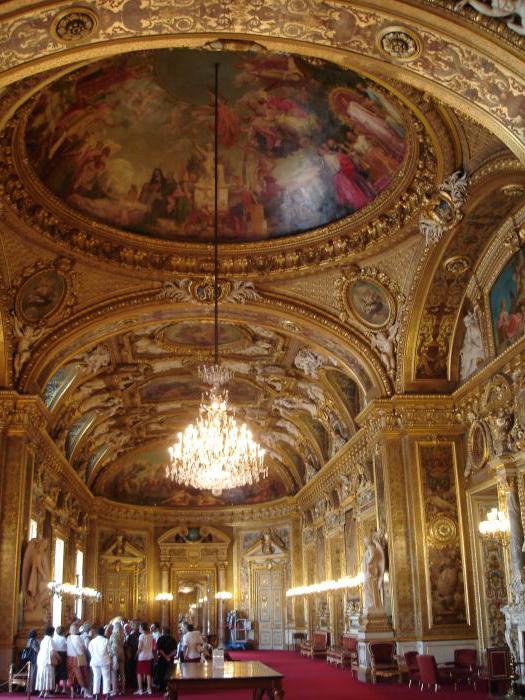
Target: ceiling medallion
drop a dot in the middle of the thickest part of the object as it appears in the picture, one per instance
(73, 25)
(442, 530)
(368, 296)
(399, 43)
(457, 265)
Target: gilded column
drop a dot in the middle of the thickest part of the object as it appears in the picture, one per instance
(20, 417)
(508, 501)
(397, 520)
(221, 581)
(296, 554)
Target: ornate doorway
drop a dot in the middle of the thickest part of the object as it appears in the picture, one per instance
(269, 586)
(267, 562)
(123, 573)
(193, 565)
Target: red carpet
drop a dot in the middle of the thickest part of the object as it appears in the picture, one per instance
(307, 679)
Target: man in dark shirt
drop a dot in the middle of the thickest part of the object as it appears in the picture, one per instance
(131, 646)
(166, 652)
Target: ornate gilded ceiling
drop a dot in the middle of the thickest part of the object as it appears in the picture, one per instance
(342, 133)
(118, 405)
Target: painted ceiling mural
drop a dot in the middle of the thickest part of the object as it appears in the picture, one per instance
(129, 141)
(115, 416)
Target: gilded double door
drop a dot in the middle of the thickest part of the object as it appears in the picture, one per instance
(269, 591)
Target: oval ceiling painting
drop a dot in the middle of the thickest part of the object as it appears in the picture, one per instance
(128, 141)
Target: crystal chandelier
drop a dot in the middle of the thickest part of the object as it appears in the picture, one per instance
(216, 453)
(495, 527)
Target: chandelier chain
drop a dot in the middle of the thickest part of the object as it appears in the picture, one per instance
(215, 452)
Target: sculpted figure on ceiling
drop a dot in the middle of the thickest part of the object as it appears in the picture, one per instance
(512, 11)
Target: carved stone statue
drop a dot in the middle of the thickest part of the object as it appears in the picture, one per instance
(508, 10)
(472, 352)
(93, 360)
(266, 542)
(385, 342)
(35, 576)
(373, 573)
(27, 336)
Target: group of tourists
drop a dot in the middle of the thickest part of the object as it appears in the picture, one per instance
(109, 660)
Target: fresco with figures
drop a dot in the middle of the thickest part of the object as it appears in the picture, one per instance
(141, 479)
(129, 141)
(507, 303)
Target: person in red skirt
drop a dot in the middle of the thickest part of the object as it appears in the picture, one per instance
(144, 659)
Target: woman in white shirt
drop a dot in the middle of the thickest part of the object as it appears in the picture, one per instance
(45, 669)
(77, 671)
(144, 658)
(100, 662)
(192, 645)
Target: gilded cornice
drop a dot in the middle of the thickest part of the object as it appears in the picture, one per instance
(422, 413)
(22, 415)
(168, 517)
(459, 56)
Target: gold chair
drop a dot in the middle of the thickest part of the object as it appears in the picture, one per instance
(20, 679)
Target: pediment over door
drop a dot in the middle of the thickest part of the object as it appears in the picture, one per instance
(268, 546)
(123, 552)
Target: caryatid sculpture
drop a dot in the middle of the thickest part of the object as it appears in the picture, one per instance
(35, 577)
(373, 573)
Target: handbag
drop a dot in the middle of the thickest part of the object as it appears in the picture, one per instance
(81, 660)
(55, 658)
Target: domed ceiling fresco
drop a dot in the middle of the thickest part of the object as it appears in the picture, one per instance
(129, 141)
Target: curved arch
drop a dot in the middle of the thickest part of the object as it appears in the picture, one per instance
(456, 55)
(441, 289)
(316, 329)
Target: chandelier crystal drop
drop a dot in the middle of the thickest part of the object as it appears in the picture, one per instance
(216, 453)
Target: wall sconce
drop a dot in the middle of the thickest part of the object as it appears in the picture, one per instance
(223, 595)
(496, 526)
(327, 586)
(164, 597)
(71, 589)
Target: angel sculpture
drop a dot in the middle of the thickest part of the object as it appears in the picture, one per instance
(27, 336)
(385, 342)
(500, 9)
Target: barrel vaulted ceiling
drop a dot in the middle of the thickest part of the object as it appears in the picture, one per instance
(340, 133)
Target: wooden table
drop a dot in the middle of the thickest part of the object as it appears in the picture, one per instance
(234, 675)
